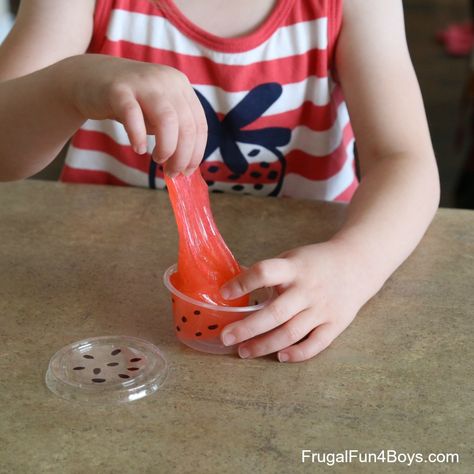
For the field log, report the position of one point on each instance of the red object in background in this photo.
(458, 38)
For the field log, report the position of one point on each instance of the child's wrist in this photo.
(366, 265)
(67, 79)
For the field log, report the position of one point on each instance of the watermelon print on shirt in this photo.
(278, 122)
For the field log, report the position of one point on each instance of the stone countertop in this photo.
(78, 261)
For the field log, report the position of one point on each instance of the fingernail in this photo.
(282, 357)
(226, 293)
(172, 174)
(228, 339)
(188, 172)
(159, 159)
(244, 353)
(142, 149)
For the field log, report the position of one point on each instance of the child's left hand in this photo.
(320, 289)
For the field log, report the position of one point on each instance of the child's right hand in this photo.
(147, 99)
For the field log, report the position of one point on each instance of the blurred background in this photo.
(439, 36)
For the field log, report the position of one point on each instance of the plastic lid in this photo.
(108, 369)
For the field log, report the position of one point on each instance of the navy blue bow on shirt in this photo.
(225, 134)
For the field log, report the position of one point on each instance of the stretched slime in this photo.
(205, 262)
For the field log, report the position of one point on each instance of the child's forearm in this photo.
(35, 121)
(390, 212)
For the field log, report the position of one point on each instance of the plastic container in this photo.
(199, 325)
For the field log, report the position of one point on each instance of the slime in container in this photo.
(205, 262)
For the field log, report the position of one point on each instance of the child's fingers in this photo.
(267, 273)
(275, 314)
(181, 158)
(318, 340)
(282, 337)
(162, 119)
(201, 133)
(128, 111)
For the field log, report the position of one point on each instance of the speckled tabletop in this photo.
(81, 261)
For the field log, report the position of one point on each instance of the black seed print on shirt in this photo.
(234, 176)
(115, 352)
(213, 169)
(217, 191)
(96, 371)
(272, 175)
(237, 187)
(212, 326)
(197, 313)
(88, 356)
(210, 183)
(199, 334)
(112, 364)
(254, 152)
(255, 174)
(136, 359)
(78, 368)
(258, 186)
(264, 164)
(184, 319)
(98, 380)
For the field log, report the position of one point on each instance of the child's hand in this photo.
(145, 98)
(320, 290)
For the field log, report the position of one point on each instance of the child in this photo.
(257, 91)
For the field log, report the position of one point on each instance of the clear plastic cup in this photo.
(198, 324)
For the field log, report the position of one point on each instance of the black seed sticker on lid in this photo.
(78, 368)
(87, 356)
(199, 334)
(133, 368)
(112, 364)
(98, 380)
(212, 326)
(178, 328)
(124, 376)
(115, 352)
(96, 371)
(184, 319)
(197, 313)
(136, 359)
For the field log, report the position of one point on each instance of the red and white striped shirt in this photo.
(278, 122)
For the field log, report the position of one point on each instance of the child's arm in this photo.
(40, 110)
(323, 286)
(35, 121)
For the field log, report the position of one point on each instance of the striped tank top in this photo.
(278, 123)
